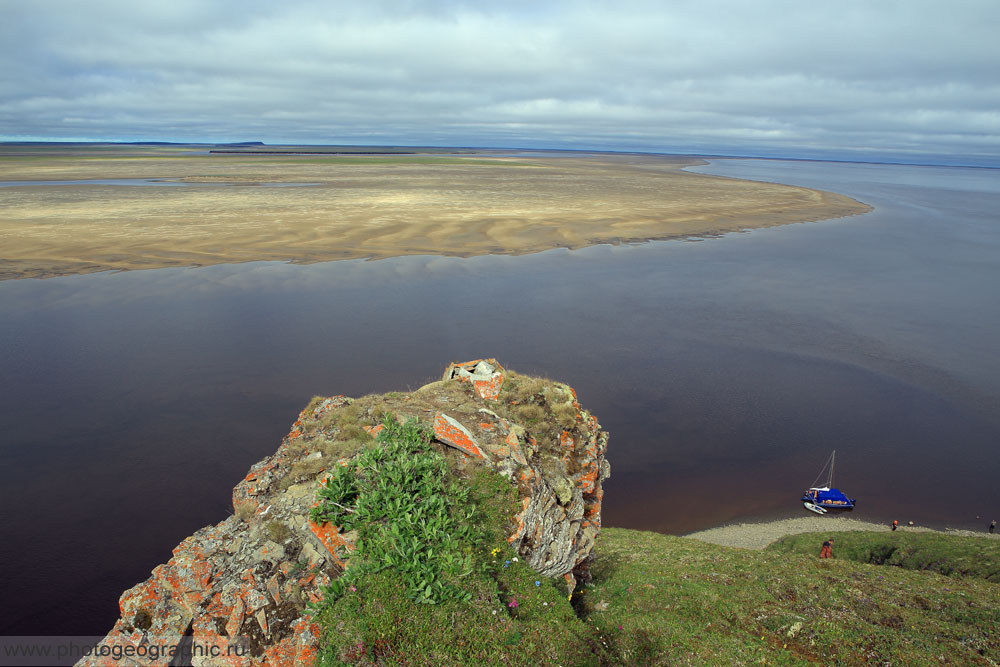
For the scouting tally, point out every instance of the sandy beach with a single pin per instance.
(313, 208)
(759, 535)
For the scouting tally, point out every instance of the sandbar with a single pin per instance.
(372, 206)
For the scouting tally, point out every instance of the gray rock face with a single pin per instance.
(559, 465)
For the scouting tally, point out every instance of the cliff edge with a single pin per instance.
(242, 587)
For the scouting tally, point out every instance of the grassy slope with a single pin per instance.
(950, 555)
(662, 600)
(672, 600)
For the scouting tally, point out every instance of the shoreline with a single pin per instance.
(371, 208)
(757, 535)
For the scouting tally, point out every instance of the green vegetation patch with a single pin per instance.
(409, 517)
(659, 600)
(433, 580)
(950, 555)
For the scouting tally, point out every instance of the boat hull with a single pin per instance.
(828, 499)
(814, 508)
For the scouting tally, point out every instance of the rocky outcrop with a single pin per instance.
(235, 593)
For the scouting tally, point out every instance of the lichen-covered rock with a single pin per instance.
(485, 375)
(559, 475)
(235, 593)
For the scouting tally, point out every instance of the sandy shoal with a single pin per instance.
(759, 535)
(368, 208)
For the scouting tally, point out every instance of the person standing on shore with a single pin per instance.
(827, 550)
(895, 524)
(993, 525)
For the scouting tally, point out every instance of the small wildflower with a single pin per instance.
(352, 589)
(506, 563)
(570, 597)
(538, 583)
(620, 627)
(512, 603)
(545, 604)
(494, 612)
(515, 559)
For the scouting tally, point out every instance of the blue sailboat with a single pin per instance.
(821, 499)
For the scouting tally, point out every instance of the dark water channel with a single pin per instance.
(726, 371)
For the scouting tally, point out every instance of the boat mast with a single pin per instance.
(829, 479)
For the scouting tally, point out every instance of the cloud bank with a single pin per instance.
(807, 79)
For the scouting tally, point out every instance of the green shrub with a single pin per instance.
(410, 516)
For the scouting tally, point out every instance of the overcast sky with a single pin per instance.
(856, 79)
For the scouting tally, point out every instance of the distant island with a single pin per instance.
(312, 152)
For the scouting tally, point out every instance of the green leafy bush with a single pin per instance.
(410, 517)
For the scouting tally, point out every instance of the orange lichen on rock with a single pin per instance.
(333, 540)
(485, 375)
(566, 440)
(519, 528)
(570, 582)
(300, 647)
(449, 431)
(587, 479)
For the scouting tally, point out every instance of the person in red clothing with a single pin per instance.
(895, 524)
(827, 550)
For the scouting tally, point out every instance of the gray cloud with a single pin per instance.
(842, 78)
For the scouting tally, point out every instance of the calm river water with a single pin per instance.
(725, 369)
